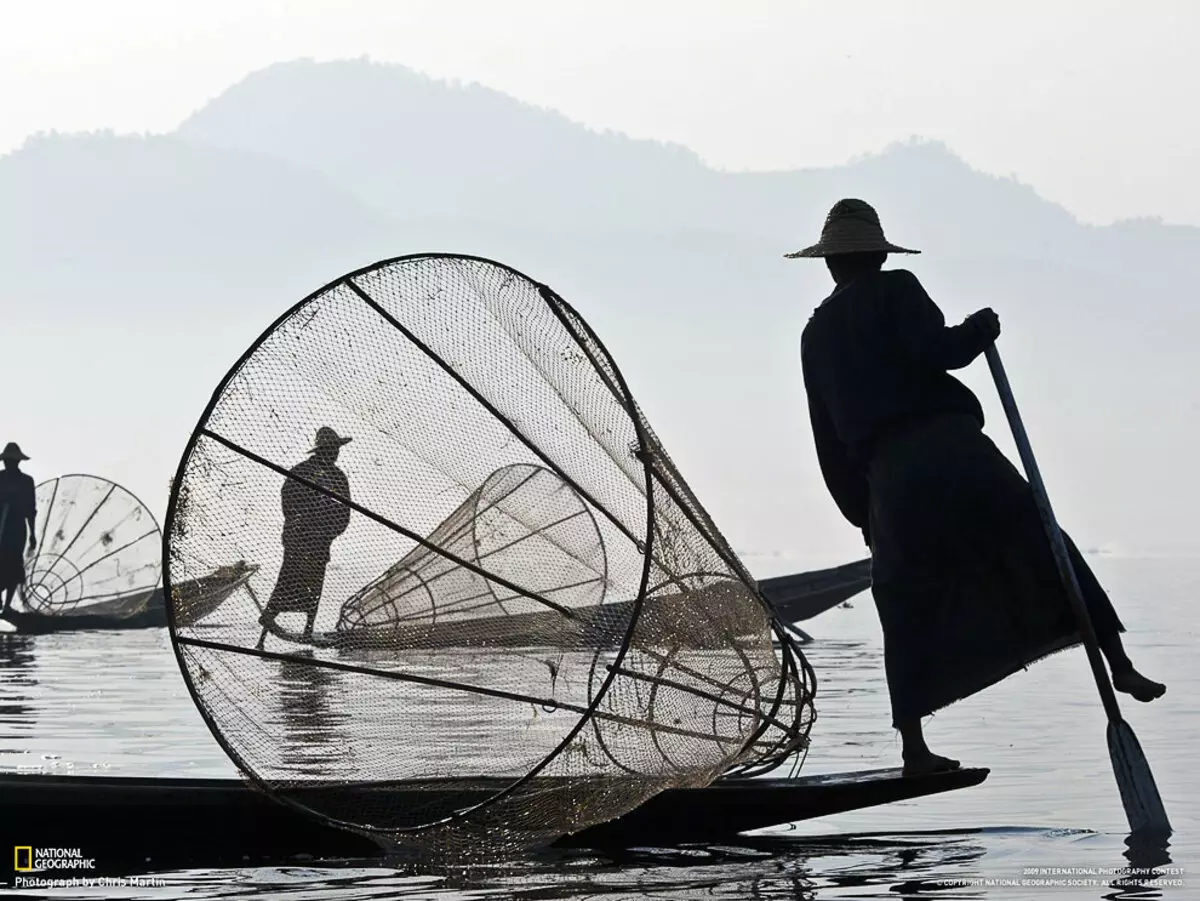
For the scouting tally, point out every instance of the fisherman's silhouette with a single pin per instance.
(312, 521)
(18, 513)
(964, 580)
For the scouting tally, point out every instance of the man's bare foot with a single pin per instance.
(1131, 682)
(928, 762)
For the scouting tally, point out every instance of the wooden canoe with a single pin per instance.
(795, 597)
(143, 610)
(802, 596)
(132, 825)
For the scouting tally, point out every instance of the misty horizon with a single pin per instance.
(169, 254)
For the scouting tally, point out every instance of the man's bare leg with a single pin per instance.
(918, 759)
(1125, 678)
(266, 621)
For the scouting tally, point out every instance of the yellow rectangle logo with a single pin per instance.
(25, 852)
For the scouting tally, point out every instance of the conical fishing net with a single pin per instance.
(489, 610)
(99, 550)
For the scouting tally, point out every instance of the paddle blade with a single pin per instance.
(1143, 805)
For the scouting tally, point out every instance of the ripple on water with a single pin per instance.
(115, 704)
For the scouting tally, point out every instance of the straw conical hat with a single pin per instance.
(12, 451)
(852, 226)
(327, 437)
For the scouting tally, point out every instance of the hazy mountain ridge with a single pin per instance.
(415, 147)
(72, 196)
(141, 267)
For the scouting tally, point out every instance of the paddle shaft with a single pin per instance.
(1061, 557)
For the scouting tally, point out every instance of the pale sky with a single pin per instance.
(1092, 103)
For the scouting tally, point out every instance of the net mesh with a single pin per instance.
(197, 599)
(523, 525)
(99, 550)
(488, 610)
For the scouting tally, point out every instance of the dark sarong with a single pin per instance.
(12, 551)
(963, 575)
(301, 580)
(18, 505)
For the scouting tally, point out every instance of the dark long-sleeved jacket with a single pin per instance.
(876, 353)
(311, 518)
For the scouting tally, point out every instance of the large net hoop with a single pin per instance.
(99, 550)
(494, 613)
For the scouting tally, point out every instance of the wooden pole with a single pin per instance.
(1139, 794)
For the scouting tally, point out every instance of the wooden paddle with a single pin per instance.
(1143, 806)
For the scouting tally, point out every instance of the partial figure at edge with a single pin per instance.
(18, 514)
(963, 574)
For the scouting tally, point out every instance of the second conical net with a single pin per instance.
(99, 550)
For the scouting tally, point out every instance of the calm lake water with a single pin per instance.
(115, 704)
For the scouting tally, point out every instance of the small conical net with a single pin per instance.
(489, 612)
(99, 550)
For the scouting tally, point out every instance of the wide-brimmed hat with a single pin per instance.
(327, 437)
(852, 226)
(12, 451)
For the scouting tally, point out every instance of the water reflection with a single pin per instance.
(1149, 862)
(313, 744)
(16, 675)
(117, 699)
(943, 865)
(906, 866)
(767, 868)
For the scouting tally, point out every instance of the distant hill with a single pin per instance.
(416, 148)
(81, 197)
(419, 148)
(137, 269)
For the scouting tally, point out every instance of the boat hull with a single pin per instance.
(129, 825)
(144, 610)
(41, 624)
(796, 598)
(802, 596)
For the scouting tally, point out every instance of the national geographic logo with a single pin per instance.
(26, 859)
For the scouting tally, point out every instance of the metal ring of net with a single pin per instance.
(99, 550)
(510, 619)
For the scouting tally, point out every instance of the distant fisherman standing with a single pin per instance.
(312, 521)
(18, 513)
(962, 573)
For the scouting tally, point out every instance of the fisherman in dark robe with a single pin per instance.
(963, 574)
(312, 521)
(18, 518)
